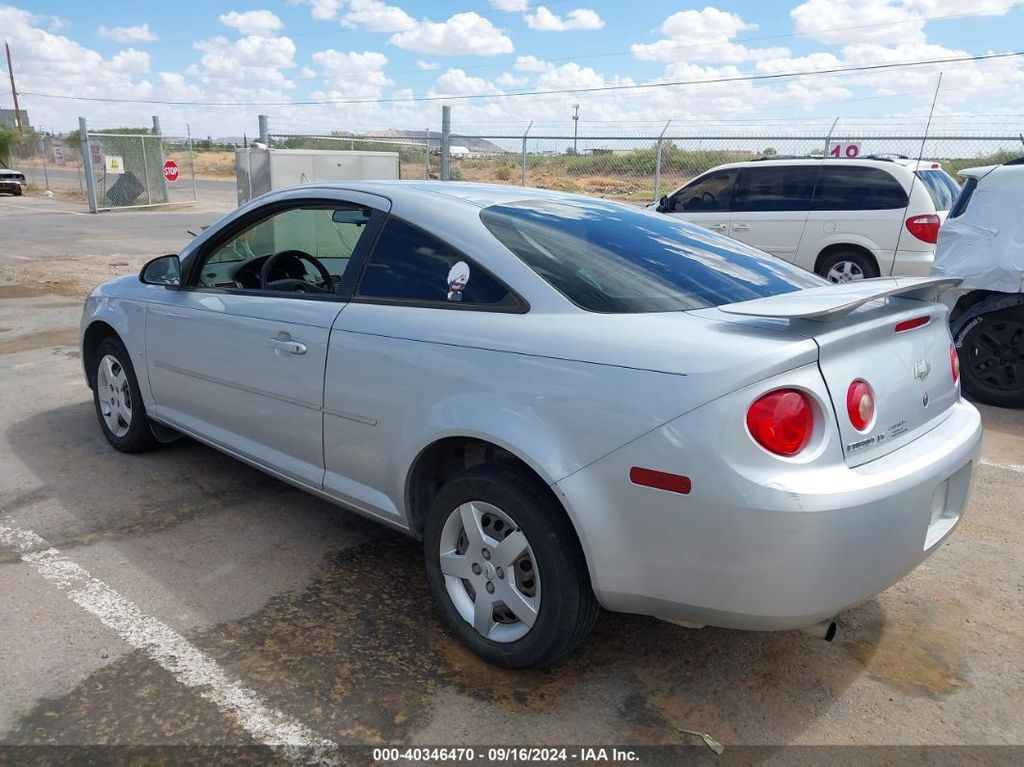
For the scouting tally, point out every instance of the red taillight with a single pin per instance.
(954, 364)
(860, 404)
(924, 228)
(782, 421)
(917, 322)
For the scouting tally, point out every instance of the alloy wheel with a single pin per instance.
(845, 271)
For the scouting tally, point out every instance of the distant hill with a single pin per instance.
(474, 145)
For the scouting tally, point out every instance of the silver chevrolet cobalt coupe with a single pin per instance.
(574, 403)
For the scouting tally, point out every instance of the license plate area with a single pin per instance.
(948, 502)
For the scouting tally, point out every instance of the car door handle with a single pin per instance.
(741, 227)
(293, 347)
(719, 227)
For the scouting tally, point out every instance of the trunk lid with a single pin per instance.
(855, 328)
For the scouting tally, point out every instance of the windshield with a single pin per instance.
(941, 186)
(609, 257)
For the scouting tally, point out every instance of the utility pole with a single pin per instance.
(575, 127)
(14, 92)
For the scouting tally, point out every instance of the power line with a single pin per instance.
(517, 94)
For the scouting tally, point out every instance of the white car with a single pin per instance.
(982, 243)
(844, 219)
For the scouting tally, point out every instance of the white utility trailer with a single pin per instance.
(259, 170)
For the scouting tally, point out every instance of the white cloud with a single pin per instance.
(703, 36)
(140, 33)
(356, 75)
(321, 10)
(377, 16)
(510, 5)
(130, 61)
(427, 66)
(455, 82)
(880, 21)
(544, 20)
(464, 33)
(509, 80)
(530, 64)
(252, 22)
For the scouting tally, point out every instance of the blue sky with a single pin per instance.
(269, 53)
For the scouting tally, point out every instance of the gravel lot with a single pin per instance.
(323, 618)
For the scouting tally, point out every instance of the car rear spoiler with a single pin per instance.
(830, 302)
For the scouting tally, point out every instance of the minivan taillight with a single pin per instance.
(925, 228)
(781, 421)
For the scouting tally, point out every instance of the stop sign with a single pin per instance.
(171, 170)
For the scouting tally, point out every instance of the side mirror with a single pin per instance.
(165, 270)
(664, 205)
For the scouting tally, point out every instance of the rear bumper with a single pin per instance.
(750, 550)
(913, 263)
(11, 186)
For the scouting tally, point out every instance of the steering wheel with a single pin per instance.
(292, 284)
(708, 196)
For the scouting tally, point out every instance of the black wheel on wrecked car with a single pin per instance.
(991, 353)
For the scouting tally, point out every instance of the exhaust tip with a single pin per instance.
(825, 630)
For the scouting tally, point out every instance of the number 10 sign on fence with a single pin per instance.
(844, 150)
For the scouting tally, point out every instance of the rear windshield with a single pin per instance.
(941, 187)
(609, 257)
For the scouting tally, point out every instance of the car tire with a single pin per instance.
(848, 265)
(18, 192)
(991, 352)
(550, 576)
(118, 400)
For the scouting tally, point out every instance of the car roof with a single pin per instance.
(453, 192)
(885, 163)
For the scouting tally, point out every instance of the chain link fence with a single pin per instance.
(642, 168)
(138, 169)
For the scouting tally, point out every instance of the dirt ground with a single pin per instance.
(319, 621)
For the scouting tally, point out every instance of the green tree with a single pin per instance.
(8, 137)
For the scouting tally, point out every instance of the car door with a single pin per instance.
(410, 277)
(770, 206)
(237, 355)
(706, 200)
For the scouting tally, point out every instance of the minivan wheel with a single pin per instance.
(847, 266)
(992, 358)
(505, 569)
(118, 401)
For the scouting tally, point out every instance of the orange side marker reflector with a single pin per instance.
(660, 480)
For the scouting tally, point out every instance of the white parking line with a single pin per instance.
(1008, 466)
(190, 665)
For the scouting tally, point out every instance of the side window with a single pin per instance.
(964, 199)
(308, 249)
(710, 194)
(407, 264)
(857, 188)
(775, 188)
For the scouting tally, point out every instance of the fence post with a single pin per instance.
(191, 163)
(90, 179)
(657, 164)
(44, 144)
(426, 154)
(166, 190)
(156, 125)
(264, 130)
(525, 134)
(446, 143)
(145, 170)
